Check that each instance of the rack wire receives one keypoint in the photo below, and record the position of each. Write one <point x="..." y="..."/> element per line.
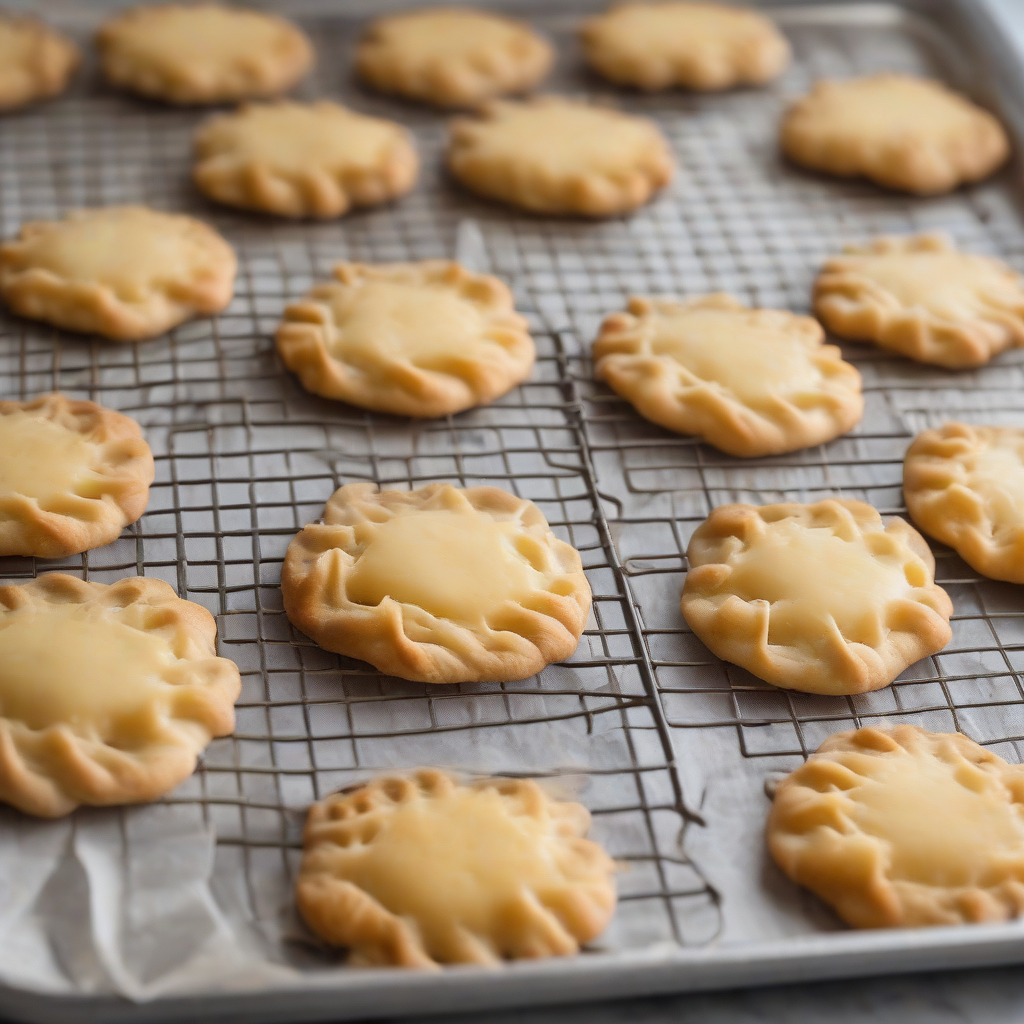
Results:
<point x="774" y="227"/>
<point x="245" y="458"/>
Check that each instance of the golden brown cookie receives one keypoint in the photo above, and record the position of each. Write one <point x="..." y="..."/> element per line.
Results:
<point x="73" y="475"/>
<point x="108" y="694"/>
<point x="749" y="381"/>
<point x="452" y="56"/>
<point x="823" y="598"/>
<point x="303" y="159"/>
<point x="202" y="53"/>
<point x="922" y="298"/>
<point x="964" y="486"/>
<point x="35" y="61"/>
<point x="553" y="155"/>
<point x="902" y="828"/>
<point x="126" y="272"/>
<point x="902" y="132"/>
<point x="413" y="339"/>
<point x="694" y="45"/>
<point x="421" y="871"/>
<point x="438" y="585"/>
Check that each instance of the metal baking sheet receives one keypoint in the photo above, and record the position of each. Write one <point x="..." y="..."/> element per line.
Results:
<point x="668" y="747"/>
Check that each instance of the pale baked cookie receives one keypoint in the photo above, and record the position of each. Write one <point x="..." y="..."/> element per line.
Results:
<point x="413" y="339"/>
<point x="303" y="159"/>
<point x="452" y="56"/>
<point x="694" y="45"/>
<point x="552" y="155"/>
<point x="108" y="694"/>
<point x="202" y="53"/>
<point x="905" y="133"/>
<point x="749" y="381"/>
<point x="420" y="871"/>
<point x="920" y="297"/>
<point x="903" y="828"/>
<point x="126" y="272"/>
<point x="964" y="486"/>
<point x="823" y="598"/>
<point x="73" y="475"/>
<point x="439" y="585"/>
<point x="35" y="61"/>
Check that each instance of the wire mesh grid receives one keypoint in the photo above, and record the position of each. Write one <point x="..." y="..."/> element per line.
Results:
<point x="761" y="229"/>
<point x="245" y="458"/>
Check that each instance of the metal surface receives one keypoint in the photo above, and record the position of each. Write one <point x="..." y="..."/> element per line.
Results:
<point x="245" y="458"/>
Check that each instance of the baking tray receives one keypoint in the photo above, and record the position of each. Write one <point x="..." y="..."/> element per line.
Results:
<point x="668" y="747"/>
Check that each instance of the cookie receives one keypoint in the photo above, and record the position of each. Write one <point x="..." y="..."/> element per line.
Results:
<point x="920" y="297"/>
<point x="902" y="132"/>
<point x="452" y="56"/>
<point x="424" y="870"/>
<point x="964" y="486"/>
<point x="108" y="694"/>
<point x="700" y="46"/>
<point x="437" y="585"/>
<point x="749" y="381"/>
<point x="202" y="53"/>
<point x="73" y="475"/>
<point x="413" y="339"/>
<point x="37" y="61"/>
<point x="555" y="156"/>
<point x="823" y="598"/>
<point x="125" y="272"/>
<point x="903" y="827"/>
<point x="303" y="159"/>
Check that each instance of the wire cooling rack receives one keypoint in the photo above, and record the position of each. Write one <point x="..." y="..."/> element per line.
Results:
<point x="245" y="458"/>
<point x="763" y="229"/>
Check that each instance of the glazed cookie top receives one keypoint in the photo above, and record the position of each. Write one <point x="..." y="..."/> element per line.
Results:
<point x="107" y="693"/>
<point x="824" y="598"/>
<point x="906" y="133"/>
<point x="414" y="339"/>
<point x="749" y="381"/>
<point x="303" y="159"/>
<point x="452" y="56"/>
<point x="202" y="53"/>
<point x="695" y="45"/>
<point x="440" y="584"/>
<point x="126" y="272"/>
<point x="552" y="155"/>
<point x="964" y="486"/>
<point x="919" y="296"/>
<point x="903" y="828"/>
<point x="424" y="870"/>
<point x="35" y="61"/>
<point x="72" y="476"/>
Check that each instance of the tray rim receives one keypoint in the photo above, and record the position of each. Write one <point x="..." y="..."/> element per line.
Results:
<point x="385" y="992"/>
